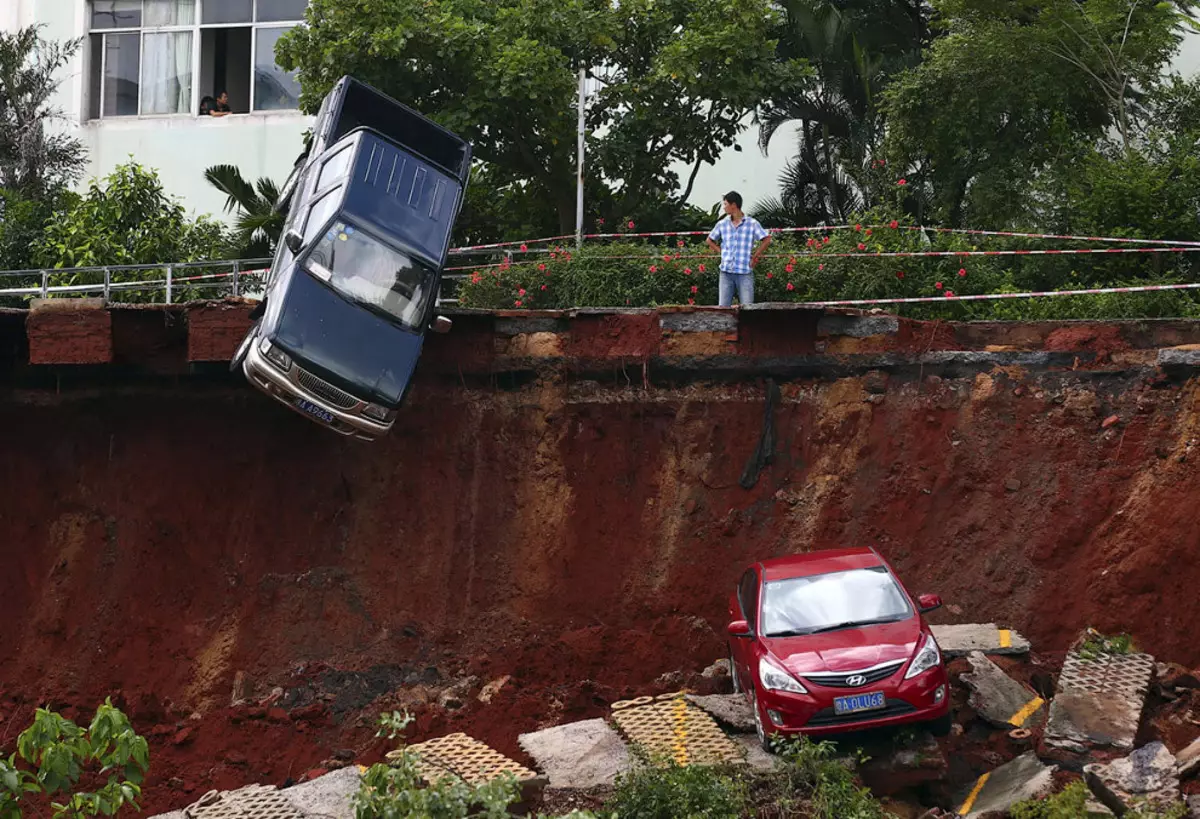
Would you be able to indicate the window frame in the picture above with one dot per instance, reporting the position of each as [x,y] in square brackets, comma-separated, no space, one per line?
[99,63]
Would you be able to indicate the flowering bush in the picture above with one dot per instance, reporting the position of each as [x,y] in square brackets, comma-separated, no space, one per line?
[813,266]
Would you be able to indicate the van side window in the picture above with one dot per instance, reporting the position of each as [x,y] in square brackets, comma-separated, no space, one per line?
[319,215]
[334,168]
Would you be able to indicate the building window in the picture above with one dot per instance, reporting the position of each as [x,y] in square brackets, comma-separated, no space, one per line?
[162,57]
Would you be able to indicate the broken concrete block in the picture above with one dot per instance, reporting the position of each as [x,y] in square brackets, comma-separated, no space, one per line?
[857,326]
[1187,761]
[997,697]
[328,795]
[1145,776]
[756,757]
[1017,781]
[920,763]
[579,754]
[729,710]
[1193,806]
[960,640]
[1099,702]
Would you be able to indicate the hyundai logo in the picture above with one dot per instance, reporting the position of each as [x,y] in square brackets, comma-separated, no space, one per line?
[855,680]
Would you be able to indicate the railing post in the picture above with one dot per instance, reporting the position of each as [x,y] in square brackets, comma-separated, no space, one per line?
[168,284]
[237,266]
[107,283]
[45,284]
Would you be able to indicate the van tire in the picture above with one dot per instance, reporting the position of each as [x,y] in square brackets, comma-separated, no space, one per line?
[243,349]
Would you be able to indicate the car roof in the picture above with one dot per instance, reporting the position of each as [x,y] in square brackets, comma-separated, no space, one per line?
[811,563]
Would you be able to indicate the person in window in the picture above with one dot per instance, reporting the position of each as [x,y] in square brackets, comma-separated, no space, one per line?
[216,108]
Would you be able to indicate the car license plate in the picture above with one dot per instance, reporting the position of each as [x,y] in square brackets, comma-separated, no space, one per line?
[869,701]
[315,411]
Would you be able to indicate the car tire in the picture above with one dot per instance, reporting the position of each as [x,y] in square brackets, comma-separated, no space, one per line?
[759,728]
[733,675]
[243,350]
[941,726]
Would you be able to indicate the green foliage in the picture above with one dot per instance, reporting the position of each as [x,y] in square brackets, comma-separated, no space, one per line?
[814,775]
[668,790]
[1097,645]
[22,220]
[258,226]
[54,753]
[676,80]
[1070,802]
[34,159]
[396,791]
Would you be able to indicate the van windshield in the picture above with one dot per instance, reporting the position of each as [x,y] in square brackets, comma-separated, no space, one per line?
[368,272]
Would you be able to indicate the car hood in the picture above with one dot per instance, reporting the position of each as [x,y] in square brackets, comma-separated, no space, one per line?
[849,649]
[346,344]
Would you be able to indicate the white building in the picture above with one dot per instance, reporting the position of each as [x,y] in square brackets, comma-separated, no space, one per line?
[136,88]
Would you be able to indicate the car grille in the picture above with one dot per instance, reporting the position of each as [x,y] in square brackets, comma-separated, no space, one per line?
[840,680]
[894,708]
[323,389]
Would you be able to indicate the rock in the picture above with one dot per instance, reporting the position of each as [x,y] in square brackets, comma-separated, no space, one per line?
[456,695]
[756,757]
[493,688]
[1109,421]
[729,710]
[182,737]
[344,754]
[875,382]
[242,688]
[876,399]
[582,754]
[1172,676]
[326,796]
[1187,761]
[718,669]
[1148,773]
[995,792]
[960,640]
[277,715]
[236,758]
[1012,485]
[997,697]
[905,768]
[671,679]
[1193,806]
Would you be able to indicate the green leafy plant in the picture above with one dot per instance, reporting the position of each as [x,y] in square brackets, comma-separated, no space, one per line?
[1071,801]
[814,774]
[54,755]
[258,227]
[1096,645]
[664,789]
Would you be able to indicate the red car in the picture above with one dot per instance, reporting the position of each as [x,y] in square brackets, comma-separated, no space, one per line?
[828,642]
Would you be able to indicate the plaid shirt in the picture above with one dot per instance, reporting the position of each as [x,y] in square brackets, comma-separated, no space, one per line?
[737,243]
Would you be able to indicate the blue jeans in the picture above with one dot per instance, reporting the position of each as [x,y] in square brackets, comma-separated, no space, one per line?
[743,282]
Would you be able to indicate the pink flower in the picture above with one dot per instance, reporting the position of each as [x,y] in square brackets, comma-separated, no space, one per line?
[700,268]
[883,162]
[902,182]
[962,272]
[858,227]
[517,303]
[653,268]
[543,287]
[553,255]
[820,267]
[600,221]
[770,275]
[631,224]
[825,241]
[679,243]
[521,292]
[691,301]
[524,248]
[861,246]
[809,243]
[542,266]
[899,274]
[893,224]
[666,257]
[868,231]
[567,256]
[695,289]
[938,285]
[949,294]
[675,257]
[790,268]
[792,260]
[791,286]
[687,270]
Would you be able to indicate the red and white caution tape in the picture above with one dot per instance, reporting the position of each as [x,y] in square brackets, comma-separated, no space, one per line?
[1097,291]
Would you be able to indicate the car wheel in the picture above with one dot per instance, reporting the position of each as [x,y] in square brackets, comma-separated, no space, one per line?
[239,356]
[737,684]
[759,728]
[941,726]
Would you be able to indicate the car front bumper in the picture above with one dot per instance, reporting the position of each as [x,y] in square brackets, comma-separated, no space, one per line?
[813,714]
[286,388]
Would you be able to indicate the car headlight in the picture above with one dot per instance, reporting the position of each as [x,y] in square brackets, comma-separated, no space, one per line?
[774,678]
[275,355]
[928,657]
[377,412]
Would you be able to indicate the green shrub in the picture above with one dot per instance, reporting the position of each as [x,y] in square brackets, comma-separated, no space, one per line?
[813,774]
[672,791]
[1070,801]
[1097,645]
[54,753]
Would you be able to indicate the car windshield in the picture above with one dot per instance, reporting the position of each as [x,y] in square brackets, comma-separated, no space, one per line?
[823,602]
[369,272]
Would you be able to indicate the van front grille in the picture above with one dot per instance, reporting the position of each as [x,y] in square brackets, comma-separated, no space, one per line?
[323,389]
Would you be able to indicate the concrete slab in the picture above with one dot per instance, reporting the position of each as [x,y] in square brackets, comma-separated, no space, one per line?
[961,640]
[579,754]
[328,795]
[731,711]
[1145,776]
[998,698]
[1099,702]
[857,326]
[756,757]
[1023,778]
[920,763]
[699,322]
[1187,761]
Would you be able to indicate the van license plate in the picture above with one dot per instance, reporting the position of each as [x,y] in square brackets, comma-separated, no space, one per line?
[315,411]
[870,701]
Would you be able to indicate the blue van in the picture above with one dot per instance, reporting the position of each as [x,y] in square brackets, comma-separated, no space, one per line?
[354,284]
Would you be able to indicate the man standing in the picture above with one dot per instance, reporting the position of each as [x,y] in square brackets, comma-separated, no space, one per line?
[738,233]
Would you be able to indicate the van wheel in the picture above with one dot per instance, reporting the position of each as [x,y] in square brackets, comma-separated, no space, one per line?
[243,350]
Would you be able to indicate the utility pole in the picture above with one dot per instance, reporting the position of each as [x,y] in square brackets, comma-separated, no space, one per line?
[580,147]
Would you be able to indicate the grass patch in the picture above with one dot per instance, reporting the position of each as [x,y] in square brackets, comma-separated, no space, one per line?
[1070,801]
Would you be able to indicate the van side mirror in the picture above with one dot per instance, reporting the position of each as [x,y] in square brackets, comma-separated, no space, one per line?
[740,628]
[441,324]
[294,241]
[928,602]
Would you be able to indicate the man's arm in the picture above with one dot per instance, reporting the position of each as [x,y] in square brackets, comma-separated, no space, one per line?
[716,247]
[762,248]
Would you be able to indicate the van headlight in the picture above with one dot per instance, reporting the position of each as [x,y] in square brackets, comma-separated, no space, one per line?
[928,657]
[775,678]
[275,355]
[376,412]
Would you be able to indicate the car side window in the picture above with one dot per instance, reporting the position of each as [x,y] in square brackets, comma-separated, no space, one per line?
[748,597]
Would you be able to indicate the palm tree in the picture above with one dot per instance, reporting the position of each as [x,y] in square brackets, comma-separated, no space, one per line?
[258,226]
[854,47]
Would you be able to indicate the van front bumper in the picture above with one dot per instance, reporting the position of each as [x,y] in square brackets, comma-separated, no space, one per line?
[285,387]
